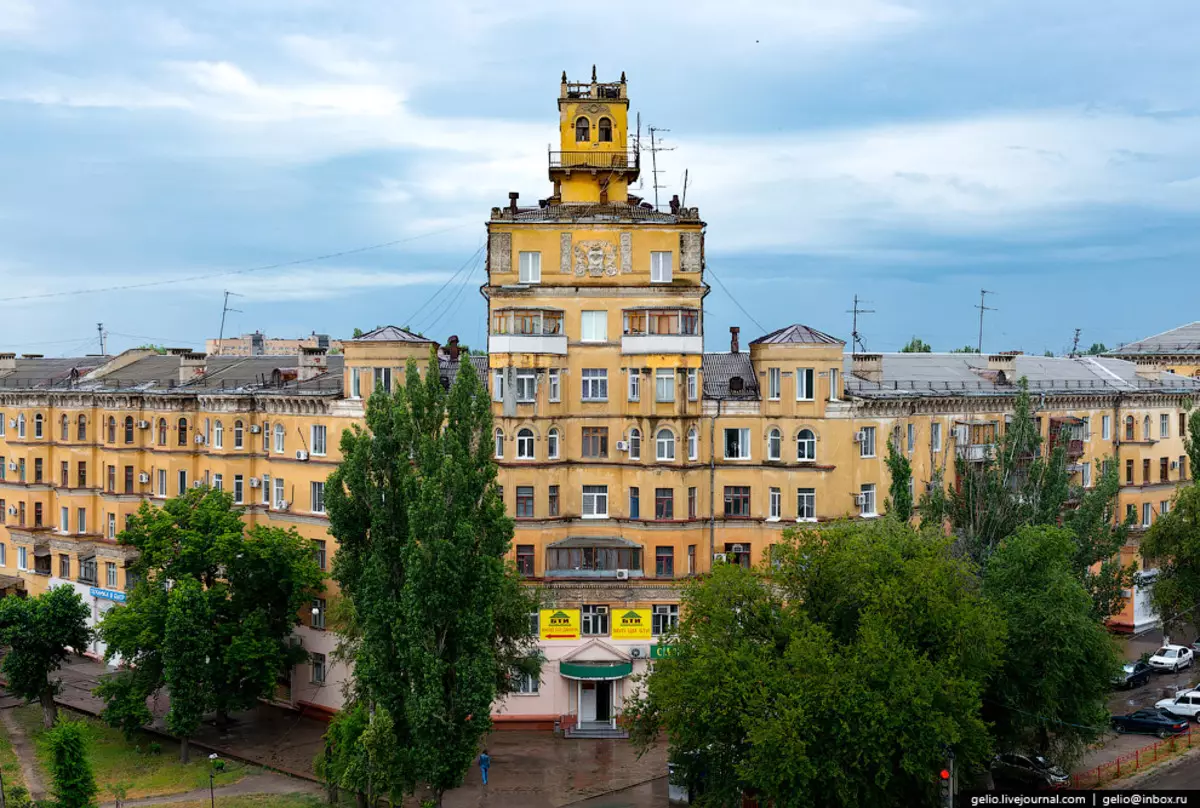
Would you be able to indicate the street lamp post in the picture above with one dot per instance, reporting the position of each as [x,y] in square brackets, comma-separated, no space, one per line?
[212,766]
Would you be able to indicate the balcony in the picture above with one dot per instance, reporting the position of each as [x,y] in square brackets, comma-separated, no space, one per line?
[596,160]
[662,331]
[602,557]
[529,331]
[975,452]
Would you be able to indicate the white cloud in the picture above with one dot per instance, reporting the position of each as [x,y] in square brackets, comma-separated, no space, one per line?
[17,17]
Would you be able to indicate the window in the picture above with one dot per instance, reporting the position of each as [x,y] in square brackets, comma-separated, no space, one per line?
[497,385]
[112,525]
[527,683]
[499,440]
[1129,472]
[664,444]
[1106,427]
[555,388]
[1086,475]
[1129,427]
[318,439]
[552,501]
[692,502]
[773,383]
[912,437]
[1164,466]
[22,558]
[1164,426]
[37,469]
[604,131]
[355,383]
[112,429]
[593,326]
[265,489]
[776,504]
[664,562]
[804,384]
[737,501]
[1164,507]
[80,522]
[1146,428]
[1146,513]
[218,482]
[64,519]
[664,503]
[64,474]
[1183,459]
[529,267]
[1087,428]
[833,384]
[635,384]
[239,488]
[162,482]
[583,130]
[664,384]
[318,668]
[318,614]
[866,446]
[806,504]
[525,559]
[737,444]
[635,444]
[110,574]
[239,435]
[1146,471]
[39,421]
[552,444]
[64,566]
[526,386]
[182,482]
[279,493]
[595,384]
[129,479]
[595,501]
[774,444]
[280,435]
[663,617]
[383,378]
[3,426]
[660,267]
[1182,425]
[635,502]
[693,384]
[219,435]
[525,444]
[182,426]
[935,437]
[866,500]
[594,621]
[1130,513]
[595,441]
[524,501]
[317,496]
[64,432]
[693,444]
[80,427]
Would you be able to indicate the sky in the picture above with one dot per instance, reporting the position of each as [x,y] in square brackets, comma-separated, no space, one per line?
[910,152]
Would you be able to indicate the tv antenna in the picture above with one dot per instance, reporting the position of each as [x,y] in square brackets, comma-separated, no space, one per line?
[103,339]
[1075,343]
[983,293]
[654,150]
[856,338]
[683,202]
[225,309]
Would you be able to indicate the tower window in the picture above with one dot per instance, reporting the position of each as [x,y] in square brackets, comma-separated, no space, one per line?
[583,131]
[604,131]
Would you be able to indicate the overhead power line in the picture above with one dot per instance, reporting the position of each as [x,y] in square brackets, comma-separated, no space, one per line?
[735,301]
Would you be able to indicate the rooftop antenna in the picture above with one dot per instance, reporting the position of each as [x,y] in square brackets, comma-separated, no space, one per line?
[856,338]
[654,150]
[637,146]
[224,310]
[983,293]
[1075,344]
[683,202]
[103,339]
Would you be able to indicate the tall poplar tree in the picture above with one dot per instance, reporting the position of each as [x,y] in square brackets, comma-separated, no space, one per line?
[441,621]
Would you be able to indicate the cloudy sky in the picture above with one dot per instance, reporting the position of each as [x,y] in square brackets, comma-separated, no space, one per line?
[909,151]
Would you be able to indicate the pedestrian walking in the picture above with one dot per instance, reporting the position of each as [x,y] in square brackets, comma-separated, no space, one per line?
[485,763]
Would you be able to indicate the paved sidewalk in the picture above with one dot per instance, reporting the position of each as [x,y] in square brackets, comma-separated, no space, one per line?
[265,783]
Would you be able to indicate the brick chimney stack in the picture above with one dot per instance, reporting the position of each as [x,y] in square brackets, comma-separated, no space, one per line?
[452,347]
[192,365]
[313,363]
[733,338]
[513,196]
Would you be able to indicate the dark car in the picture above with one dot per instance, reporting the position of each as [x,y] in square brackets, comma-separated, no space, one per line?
[1133,674]
[1158,722]
[1029,770]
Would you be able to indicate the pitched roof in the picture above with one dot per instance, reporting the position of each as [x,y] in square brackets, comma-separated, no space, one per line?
[719,368]
[797,334]
[391,333]
[1184,339]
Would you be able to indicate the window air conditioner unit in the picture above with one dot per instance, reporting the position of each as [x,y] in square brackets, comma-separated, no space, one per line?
[199,439]
[622,575]
[281,504]
[12,466]
[603,609]
[622,446]
[860,436]
[143,424]
[301,454]
[639,653]
[858,499]
[12,422]
[12,509]
[254,483]
[1174,465]
[255,429]
[197,483]
[143,477]
[739,548]
[718,556]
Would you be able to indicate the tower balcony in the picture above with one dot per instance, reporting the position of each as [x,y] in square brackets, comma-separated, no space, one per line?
[661,331]
[620,161]
[527,330]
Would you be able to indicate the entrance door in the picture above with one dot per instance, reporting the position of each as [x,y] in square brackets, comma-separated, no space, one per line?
[587,701]
[603,700]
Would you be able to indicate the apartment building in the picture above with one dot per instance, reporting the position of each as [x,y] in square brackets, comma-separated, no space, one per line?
[258,344]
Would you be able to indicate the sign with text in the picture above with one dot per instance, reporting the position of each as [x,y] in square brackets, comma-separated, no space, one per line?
[661,651]
[631,624]
[558,624]
[107,594]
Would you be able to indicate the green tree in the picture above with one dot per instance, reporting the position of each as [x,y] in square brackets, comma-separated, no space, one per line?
[900,498]
[70,769]
[1059,659]
[440,620]
[965,349]
[831,679]
[1174,540]
[1099,535]
[254,584]
[185,660]
[41,633]
[1097,349]
[916,345]
[1191,443]
[150,346]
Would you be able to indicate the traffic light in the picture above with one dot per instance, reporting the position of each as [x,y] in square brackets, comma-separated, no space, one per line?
[946,786]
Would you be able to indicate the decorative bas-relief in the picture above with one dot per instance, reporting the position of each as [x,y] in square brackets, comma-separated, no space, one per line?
[595,258]
[564,253]
[627,252]
[500,252]
[691,252]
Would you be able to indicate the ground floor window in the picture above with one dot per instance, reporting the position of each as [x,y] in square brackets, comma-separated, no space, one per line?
[527,684]
[664,617]
[594,621]
[318,669]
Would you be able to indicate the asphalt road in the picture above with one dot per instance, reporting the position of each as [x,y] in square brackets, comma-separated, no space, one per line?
[1185,775]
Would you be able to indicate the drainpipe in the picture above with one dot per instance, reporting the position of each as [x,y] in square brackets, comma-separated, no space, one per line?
[712,484]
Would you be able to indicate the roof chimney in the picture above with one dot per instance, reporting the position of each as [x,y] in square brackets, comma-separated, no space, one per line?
[868,367]
[1149,369]
[513,196]
[1005,361]
[192,365]
[313,362]
[733,338]
[8,361]
[453,347]
[675,203]
[32,356]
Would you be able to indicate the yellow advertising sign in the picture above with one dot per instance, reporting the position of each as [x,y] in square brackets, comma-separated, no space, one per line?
[631,624]
[558,624]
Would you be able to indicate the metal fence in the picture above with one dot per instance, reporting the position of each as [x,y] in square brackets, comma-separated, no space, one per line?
[1132,762]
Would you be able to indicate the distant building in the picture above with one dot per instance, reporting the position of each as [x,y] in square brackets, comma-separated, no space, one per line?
[258,344]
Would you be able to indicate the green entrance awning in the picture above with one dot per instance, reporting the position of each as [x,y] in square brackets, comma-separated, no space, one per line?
[595,670]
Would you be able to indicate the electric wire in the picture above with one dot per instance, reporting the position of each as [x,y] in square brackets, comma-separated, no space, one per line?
[456,299]
[412,318]
[761,328]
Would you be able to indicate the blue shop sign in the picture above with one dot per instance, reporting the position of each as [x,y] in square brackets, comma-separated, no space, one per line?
[107,594]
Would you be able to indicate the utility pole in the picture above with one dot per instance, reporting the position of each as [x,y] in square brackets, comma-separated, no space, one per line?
[983,293]
[103,341]
[225,309]
[1075,344]
[855,337]
[654,150]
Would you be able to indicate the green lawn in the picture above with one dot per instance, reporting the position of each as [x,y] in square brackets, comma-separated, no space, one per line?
[116,761]
[260,801]
[9,765]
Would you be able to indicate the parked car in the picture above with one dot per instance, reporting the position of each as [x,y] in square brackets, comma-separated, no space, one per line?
[1156,721]
[1186,704]
[1030,770]
[1133,674]
[1171,658]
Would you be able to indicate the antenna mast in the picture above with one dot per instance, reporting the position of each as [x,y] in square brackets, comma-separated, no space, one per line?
[983,293]
[683,202]
[654,150]
[224,309]
[103,346]
[1075,343]
[856,338]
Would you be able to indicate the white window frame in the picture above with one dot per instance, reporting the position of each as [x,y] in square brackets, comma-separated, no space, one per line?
[867,447]
[664,447]
[595,502]
[319,436]
[635,444]
[1164,426]
[64,519]
[1164,507]
[23,558]
[1147,514]
[239,489]
[743,442]
[316,496]
[529,267]
[182,478]
[3,426]
[1085,475]
[498,437]
[552,440]
[805,381]
[162,482]
[774,383]
[112,525]
[81,520]
[498,384]
[218,482]
[554,385]
[774,444]
[806,504]
[775,499]
[280,438]
[693,440]
[664,385]
[355,383]
[382,377]
[594,384]
[21,430]
[266,490]
[693,384]
[1105,427]
[526,386]
[110,574]
[867,504]
[593,326]
[833,385]
[527,684]
[661,266]
[810,442]
[935,436]
[219,435]
[634,384]
[280,491]
[911,437]
[525,444]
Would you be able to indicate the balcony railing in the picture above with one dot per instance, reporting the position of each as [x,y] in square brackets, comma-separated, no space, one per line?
[527,323]
[661,322]
[596,160]
[975,452]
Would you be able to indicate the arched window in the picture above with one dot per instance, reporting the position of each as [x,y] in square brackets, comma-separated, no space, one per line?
[219,435]
[583,131]
[635,444]
[806,445]
[38,421]
[65,428]
[81,428]
[129,429]
[279,438]
[239,434]
[693,444]
[664,444]
[21,425]
[182,426]
[112,429]
[552,444]
[604,130]
[525,444]
[499,443]
[1129,427]
[774,444]
[1146,428]
[162,431]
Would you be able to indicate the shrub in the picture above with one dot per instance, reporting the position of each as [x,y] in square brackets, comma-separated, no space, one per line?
[70,769]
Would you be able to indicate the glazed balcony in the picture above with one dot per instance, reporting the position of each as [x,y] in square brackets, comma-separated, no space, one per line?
[529,331]
[661,331]
[622,161]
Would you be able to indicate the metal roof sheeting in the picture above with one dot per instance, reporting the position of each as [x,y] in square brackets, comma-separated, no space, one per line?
[1184,340]
[797,334]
